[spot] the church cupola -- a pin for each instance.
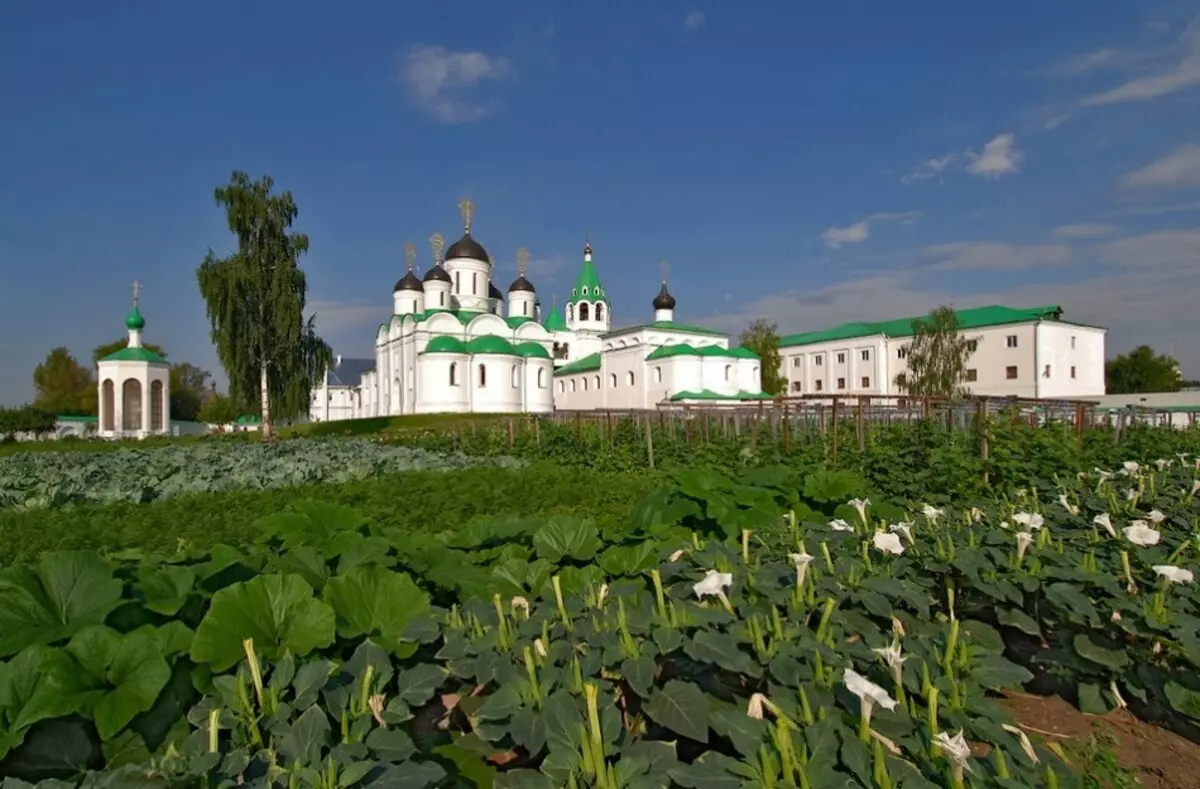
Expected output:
(470, 267)
(522, 299)
(408, 297)
(438, 284)
(664, 302)
(587, 309)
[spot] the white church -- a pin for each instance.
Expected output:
(454, 343)
(134, 386)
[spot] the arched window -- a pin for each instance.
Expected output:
(158, 405)
(131, 404)
(458, 282)
(474, 284)
(728, 371)
(572, 384)
(442, 299)
(516, 377)
(585, 387)
(482, 376)
(597, 383)
(599, 312)
(583, 311)
(612, 380)
(562, 387)
(107, 406)
(454, 373)
(541, 378)
(525, 308)
(630, 377)
(658, 375)
(570, 312)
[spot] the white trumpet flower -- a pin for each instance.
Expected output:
(931, 512)
(888, 543)
(868, 693)
(1156, 517)
(1030, 520)
(837, 524)
(713, 584)
(1024, 540)
(1104, 520)
(802, 561)
(1067, 505)
(1175, 575)
(861, 505)
(1141, 535)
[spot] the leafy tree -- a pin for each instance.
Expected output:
(26, 419)
(109, 348)
(1140, 371)
(937, 357)
(218, 409)
(64, 386)
(255, 300)
(763, 338)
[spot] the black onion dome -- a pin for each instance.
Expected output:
(521, 284)
(467, 247)
(437, 273)
(494, 292)
(408, 282)
(664, 300)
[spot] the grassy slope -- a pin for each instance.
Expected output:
(422, 501)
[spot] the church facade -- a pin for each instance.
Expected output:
(456, 343)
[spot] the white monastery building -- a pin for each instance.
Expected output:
(454, 343)
(1029, 352)
(134, 386)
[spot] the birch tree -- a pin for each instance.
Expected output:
(255, 301)
(937, 357)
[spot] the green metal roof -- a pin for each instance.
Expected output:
(444, 343)
(76, 418)
(683, 328)
(708, 394)
(683, 349)
(517, 320)
(585, 365)
(532, 350)
(554, 321)
(134, 320)
(490, 343)
(135, 355)
(587, 284)
(976, 318)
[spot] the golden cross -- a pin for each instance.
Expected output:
(410, 255)
(438, 243)
(467, 208)
(522, 261)
(137, 287)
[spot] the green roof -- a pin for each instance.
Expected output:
(514, 321)
(135, 355)
(585, 365)
(444, 343)
(248, 420)
(684, 328)
(683, 349)
(708, 394)
(134, 320)
(490, 343)
(554, 321)
(977, 318)
(532, 350)
(587, 284)
(76, 418)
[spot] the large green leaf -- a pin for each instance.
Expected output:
(681, 707)
(68, 591)
(129, 668)
(277, 611)
(1089, 649)
(373, 599)
(566, 538)
(42, 683)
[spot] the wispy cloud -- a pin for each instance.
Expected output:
(1169, 249)
(1000, 156)
(445, 84)
(693, 21)
(1180, 71)
(989, 255)
(1088, 62)
(1084, 230)
(1178, 169)
(858, 232)
(1155, 210)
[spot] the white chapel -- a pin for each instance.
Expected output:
(134, 386)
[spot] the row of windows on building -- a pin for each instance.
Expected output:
(585, 311)
(1011, 373)
(581, 383)
(482, 377)
(1010, 341)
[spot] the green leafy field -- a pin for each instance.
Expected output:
(765, 627)
(45, 479)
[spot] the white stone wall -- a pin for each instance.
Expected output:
(151, 382)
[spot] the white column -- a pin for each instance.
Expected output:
(146, 402)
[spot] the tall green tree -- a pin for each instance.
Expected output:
(255, 300)
(937, 357)
(64, 386)
(762, 337)
(1140, 371)
(218, 409)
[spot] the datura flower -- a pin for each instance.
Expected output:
(1067, 505)
(1156, 517)
(868, 693)
(1131, 467)
(1175, 575)
(801, 560)
(931, 512)
(975, 514)
(1030, 520)
(957, 752)
(1102, 474)
(1140, 534)
(888, 543)
(1195, 488)
(861, 505)
(1024, 540)
(904, 528)
(1104, 520)
(713, 584)
(837, 524)
(755, 708)
(677, 555)
(894, 660)
(1162, 464)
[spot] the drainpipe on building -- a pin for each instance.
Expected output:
(1037, 366)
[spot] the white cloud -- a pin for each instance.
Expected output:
(1084, 230)
(858, 232)
(1180, 168)
(1181, 74)
(442, 83)
(1088, 62)
(336, 316)
(1165, 249)
(989, 255)
(999, 157)
(693, 20)
(1153, 210)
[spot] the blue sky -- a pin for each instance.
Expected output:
(812, 163)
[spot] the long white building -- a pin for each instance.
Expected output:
(455, 343)
(1031, 352)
